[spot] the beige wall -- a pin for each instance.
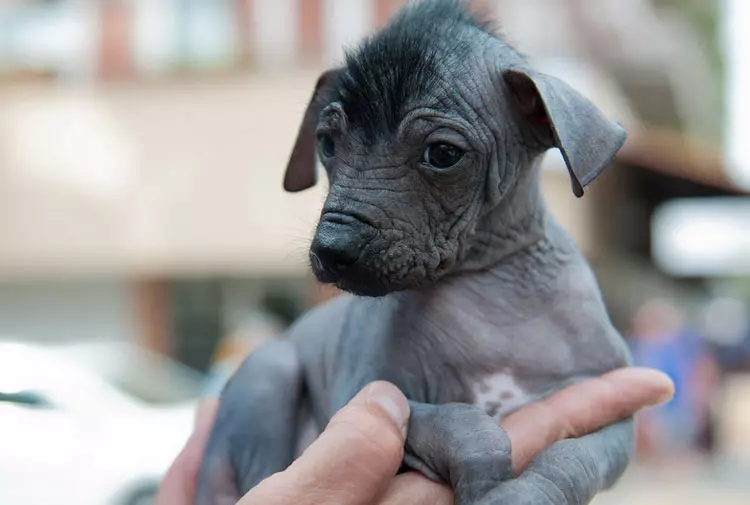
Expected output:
(167, 178)
(575, 214)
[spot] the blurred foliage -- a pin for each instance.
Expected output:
(704, 14)
(705, 17)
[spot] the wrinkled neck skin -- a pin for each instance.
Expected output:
(516, 223)
(517, 250)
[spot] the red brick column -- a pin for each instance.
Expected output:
(384, 11)
(115, 53)
(483, 7)
(310, 30)
(153, 316)
(243, 14)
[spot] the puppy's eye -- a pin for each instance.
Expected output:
(327, 147)
(442, 156)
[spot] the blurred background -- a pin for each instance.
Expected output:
(146, 244)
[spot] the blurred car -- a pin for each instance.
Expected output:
(151, 378)
(70, 435)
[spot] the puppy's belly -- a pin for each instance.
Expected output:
(499, 394)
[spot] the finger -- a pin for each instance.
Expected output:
(178, 485)
(413, 488)
(352, 461)
(583, 408)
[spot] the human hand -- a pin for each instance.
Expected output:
(355, 459)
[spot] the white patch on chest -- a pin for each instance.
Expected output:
(498, 394)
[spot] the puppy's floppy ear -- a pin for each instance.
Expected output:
(563, 118)
(300, 171)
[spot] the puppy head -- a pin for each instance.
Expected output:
(429, 125)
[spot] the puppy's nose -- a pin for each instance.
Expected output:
(336, 244)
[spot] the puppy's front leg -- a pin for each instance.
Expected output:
(461, 445)
(570, 472)
(464, 447)
(255, 431)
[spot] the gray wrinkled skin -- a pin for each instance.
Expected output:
(464, 291)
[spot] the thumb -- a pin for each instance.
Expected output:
(353, 460)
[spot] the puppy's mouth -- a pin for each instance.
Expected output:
(338, 244)
(339, 254)
(326, 273)
(354, 254)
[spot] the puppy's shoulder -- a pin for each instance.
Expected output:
(323, 321)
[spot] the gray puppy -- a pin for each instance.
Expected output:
(464, 291)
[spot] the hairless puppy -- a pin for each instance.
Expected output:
(462, 289)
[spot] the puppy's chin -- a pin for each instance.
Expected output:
(372, 290)
(358, 280)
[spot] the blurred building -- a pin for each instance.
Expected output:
(143, 142)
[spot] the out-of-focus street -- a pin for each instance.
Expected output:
(147, 243)
(701, 486)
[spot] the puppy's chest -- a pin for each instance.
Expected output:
(443, 353)
(494, 366)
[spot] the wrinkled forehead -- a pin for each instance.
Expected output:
(376, 96)
(397, 71)
(388, 78)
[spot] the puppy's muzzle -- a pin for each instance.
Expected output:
(337, 246)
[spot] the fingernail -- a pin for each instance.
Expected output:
(668, 390)
(390, 400)
(665, 398)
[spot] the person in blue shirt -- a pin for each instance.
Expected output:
(660, 340)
